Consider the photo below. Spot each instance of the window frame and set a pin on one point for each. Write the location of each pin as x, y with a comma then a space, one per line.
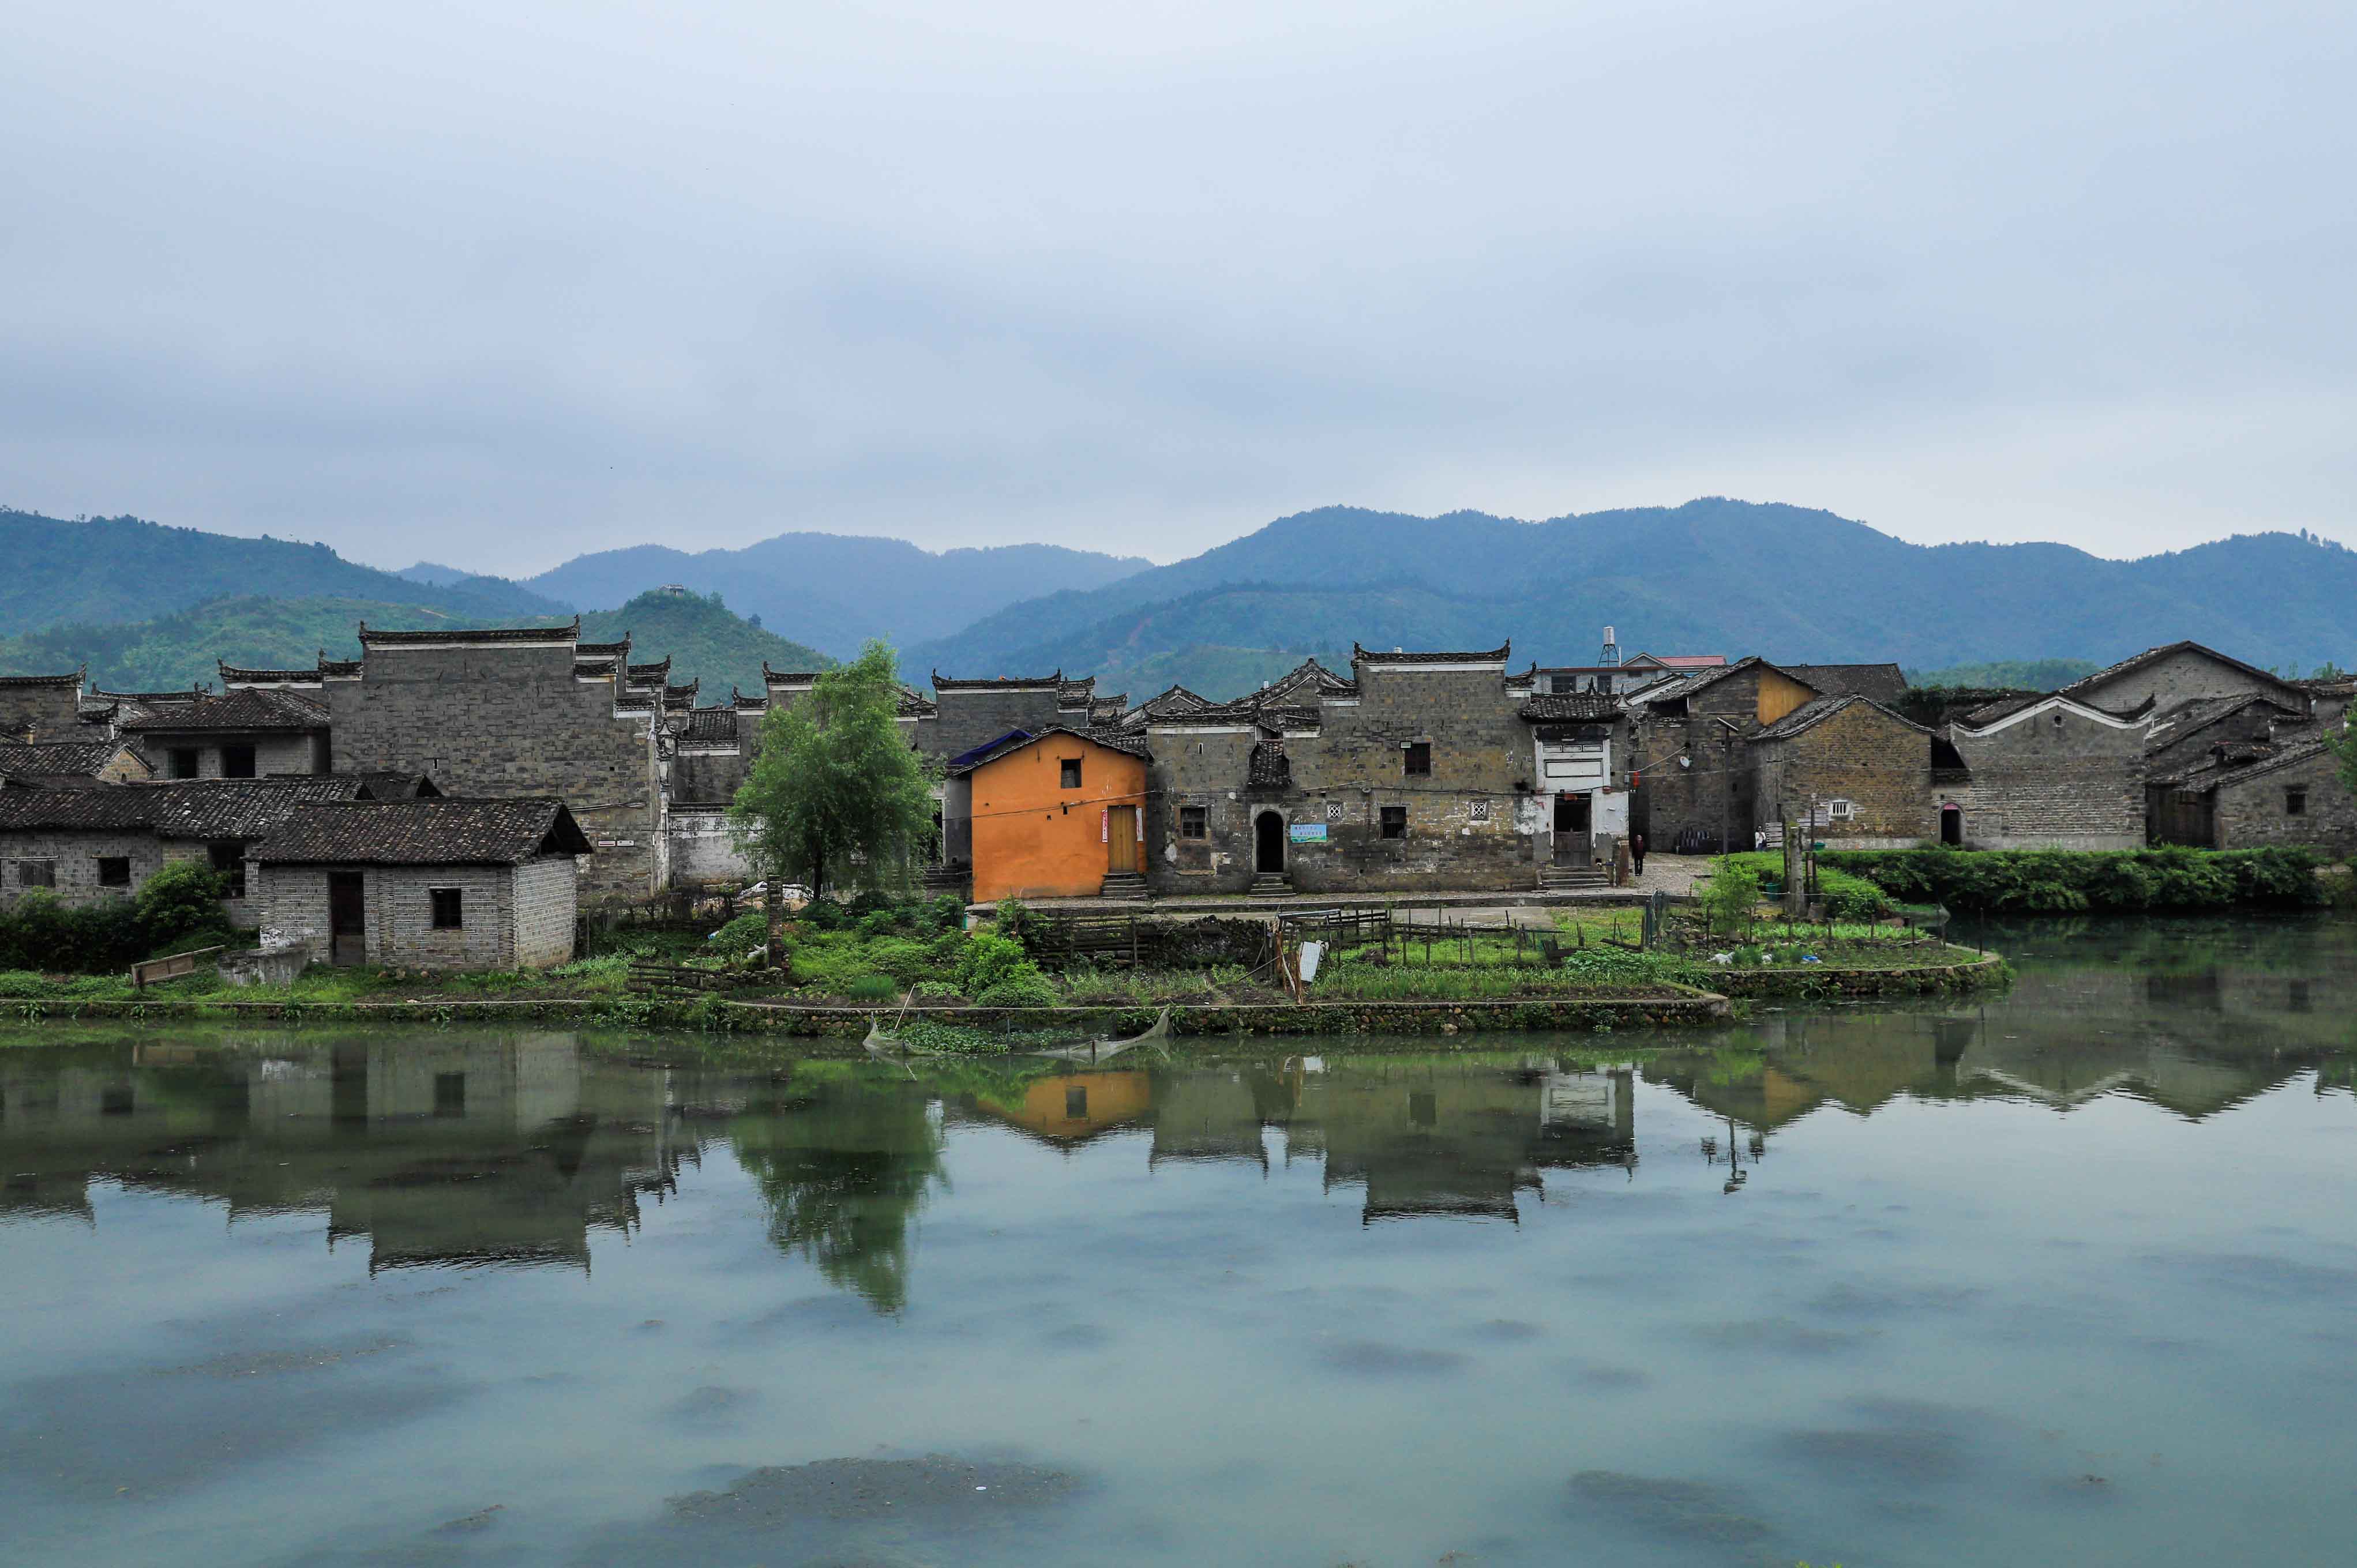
1390, 821
36, 874
230, 864
457, 908
1413, 752
1068, 772
1194, 821
183, 762
248, 757
2295, 800
109, 862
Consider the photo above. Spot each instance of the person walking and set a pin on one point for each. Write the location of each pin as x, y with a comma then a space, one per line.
1637, 852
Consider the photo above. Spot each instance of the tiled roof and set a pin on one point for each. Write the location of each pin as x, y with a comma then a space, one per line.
1883, 682
593, 669
915, 705
1074, 693
660, 668
1987, 714
73, 680
240, 808
1809, 714
330, 668
57, 756
234, 675
711, 726
1695, 681
1268, 768
471, 634
116, 809
1015, 740
247, 708
745, 704
2176, 722
602, 649
1362, 655
999, 683
2250, 759
788, 677
199, 690
1570, 707
445, 832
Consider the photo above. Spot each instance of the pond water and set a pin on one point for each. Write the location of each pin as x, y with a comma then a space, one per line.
2061, 1275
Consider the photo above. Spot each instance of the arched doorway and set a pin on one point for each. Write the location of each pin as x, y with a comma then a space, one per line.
1268, 843
1951, 824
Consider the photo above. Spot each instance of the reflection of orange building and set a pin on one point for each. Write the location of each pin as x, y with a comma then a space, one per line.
1047, 816
1071, 1108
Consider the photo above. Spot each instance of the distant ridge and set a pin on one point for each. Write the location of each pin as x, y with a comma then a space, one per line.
1712, 575
112, 570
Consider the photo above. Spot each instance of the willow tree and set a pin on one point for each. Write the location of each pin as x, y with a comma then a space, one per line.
838, 798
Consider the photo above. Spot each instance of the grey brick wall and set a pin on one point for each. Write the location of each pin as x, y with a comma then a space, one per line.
51, 713
273, 752
74, 856
520, 917
2174, 679
2038, 784
1881, 764
497, 721
2251, 811
969, 718
703, 849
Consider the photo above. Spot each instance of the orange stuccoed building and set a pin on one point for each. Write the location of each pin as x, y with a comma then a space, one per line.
1055, 814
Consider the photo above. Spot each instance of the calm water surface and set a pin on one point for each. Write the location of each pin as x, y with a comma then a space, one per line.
2062, 1276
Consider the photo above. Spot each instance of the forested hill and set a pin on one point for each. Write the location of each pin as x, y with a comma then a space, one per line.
120, 569
177, 651
835, 591
1714, 575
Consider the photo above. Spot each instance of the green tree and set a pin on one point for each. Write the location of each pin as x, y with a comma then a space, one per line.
837, 798
2343, 742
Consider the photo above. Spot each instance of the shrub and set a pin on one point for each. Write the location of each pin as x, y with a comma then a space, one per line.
902, 960
947, 913
872, 988
989, 959
1024, 986
742, 934
1733, 892
185, 896
38, 932
2063, 881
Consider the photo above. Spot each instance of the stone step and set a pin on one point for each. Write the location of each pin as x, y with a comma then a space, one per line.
1123, 884
1272, 885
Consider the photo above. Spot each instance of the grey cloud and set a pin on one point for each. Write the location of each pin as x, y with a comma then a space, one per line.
502, 288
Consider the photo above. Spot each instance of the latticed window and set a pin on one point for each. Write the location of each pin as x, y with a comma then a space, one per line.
1478, 812
1190, 821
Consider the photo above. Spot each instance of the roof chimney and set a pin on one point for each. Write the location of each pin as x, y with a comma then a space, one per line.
1611, 649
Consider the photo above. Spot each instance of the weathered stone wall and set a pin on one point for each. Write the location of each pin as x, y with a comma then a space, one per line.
702, 850
50, 710
73, 858
2251, 811
1878, 762
543, 893
969, 718
2039, 784
706, 776
1203, 767
502, 720
275, 752
2174, 679
399, 930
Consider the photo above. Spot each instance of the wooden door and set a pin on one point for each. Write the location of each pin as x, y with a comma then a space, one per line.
347, 918
1122, 834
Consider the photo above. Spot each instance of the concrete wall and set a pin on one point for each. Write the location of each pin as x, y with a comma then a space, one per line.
503, 720
2042, 784
1878, 763
703, 849
273, 752
2251, 811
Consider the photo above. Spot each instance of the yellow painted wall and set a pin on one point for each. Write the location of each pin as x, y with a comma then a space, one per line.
1779, 695
1107, 1099
1034, 839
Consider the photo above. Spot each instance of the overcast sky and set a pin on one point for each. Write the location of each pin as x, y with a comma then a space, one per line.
500, 284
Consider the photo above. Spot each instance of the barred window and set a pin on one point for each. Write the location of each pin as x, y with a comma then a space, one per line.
2295, 802
1478, 812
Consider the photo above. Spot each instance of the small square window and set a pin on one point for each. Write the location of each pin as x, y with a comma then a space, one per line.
448, 914
1333, 810
1419, 759
36, 874
2295, 802
1394, 821
449, 1094
1069, 770
184, 762
1477, 812
114, 871
237, 762
1192, 823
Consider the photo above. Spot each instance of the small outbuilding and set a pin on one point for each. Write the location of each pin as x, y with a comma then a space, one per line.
423, 883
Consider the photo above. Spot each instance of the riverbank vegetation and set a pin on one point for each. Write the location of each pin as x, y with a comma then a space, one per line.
2071, 881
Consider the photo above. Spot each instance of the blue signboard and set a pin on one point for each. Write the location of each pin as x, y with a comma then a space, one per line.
1308, 833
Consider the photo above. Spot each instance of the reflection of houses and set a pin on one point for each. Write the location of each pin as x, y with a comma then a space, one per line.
505, 1152
1069, 1109
1443, 1136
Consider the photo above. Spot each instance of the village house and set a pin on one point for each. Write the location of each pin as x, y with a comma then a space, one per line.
1058, 814
70, 764
251, 732
2260, 795
520, 711
423, 883
88, 845
2049, 773
1851, 769
1421, 772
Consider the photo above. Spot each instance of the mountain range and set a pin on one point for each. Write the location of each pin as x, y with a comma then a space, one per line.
832, 591
1712, 575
